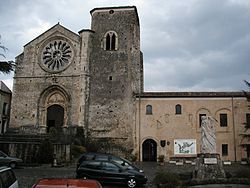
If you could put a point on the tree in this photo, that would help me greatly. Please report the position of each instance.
(5, 66)
(247, 94)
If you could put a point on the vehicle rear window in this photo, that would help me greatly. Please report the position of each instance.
(89, 157)
(91, 164)
(101, 157)
(7, 178)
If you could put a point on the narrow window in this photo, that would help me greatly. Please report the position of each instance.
(247, 120)
(224, 150)
(148, 109)
(223, 120)
(200, 115)
(108, 42)
(110, 78)
(178, 109)
(113, 40)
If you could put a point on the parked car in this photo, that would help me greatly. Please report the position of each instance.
(64, 182)
(110, 172)
(107, 157)
(7, 178)
(6, 160)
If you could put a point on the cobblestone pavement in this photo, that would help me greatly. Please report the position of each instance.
(27, 176)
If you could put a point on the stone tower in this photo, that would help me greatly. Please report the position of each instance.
(116, 74)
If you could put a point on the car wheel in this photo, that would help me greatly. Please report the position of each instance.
(12, 165)
(131, 183)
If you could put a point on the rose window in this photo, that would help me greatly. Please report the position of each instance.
(57, 55)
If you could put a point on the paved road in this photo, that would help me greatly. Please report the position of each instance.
(27, 176)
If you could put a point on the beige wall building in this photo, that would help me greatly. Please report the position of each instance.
(169, 124)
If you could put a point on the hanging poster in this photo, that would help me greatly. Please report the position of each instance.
(185, 146)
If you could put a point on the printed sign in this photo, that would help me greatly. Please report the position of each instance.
(210, 160)
(185, 146)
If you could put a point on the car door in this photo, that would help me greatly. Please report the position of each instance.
(113, 173)
(90, 169)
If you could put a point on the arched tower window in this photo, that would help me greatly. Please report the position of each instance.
(110, 41)
(178, 109)
(149, 109)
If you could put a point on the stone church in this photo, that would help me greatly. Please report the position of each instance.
(94, 79)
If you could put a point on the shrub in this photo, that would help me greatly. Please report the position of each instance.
(165, 179)
(244, 173)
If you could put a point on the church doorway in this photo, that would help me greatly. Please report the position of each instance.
(149, 150)
(55, 116)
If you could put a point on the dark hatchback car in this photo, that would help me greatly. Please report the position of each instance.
(107, 157)
(110, 172)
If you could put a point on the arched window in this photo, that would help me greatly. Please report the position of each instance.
(149, 109)
(110, 41)
(178, 109)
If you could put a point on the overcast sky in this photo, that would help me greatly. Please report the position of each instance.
(188, 45)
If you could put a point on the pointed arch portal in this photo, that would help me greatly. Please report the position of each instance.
(149, 150)
(55, 116)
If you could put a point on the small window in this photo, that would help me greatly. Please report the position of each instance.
(5, 108)
(149, 109)
(200, 115)
(223, 120)
(110, 41)
(178, 109)
(224, 150)
(248, 120)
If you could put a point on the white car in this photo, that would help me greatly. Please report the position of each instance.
(7, 178)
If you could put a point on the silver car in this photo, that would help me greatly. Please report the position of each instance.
(6, 160)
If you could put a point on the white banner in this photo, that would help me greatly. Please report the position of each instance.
(185, 146)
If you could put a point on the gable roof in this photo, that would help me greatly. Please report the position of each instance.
(53, 27)
(4, 88)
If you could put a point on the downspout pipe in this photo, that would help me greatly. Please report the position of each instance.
(234, 131)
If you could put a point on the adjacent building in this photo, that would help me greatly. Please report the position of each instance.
(5, 102)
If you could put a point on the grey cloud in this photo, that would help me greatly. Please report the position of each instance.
(187, 45)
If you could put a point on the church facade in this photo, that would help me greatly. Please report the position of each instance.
(94, 80)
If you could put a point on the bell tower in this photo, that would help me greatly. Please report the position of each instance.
(115, 75)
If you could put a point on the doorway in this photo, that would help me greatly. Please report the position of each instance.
(149, 150)
(55, 116)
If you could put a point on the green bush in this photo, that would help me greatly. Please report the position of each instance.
(165, 179)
